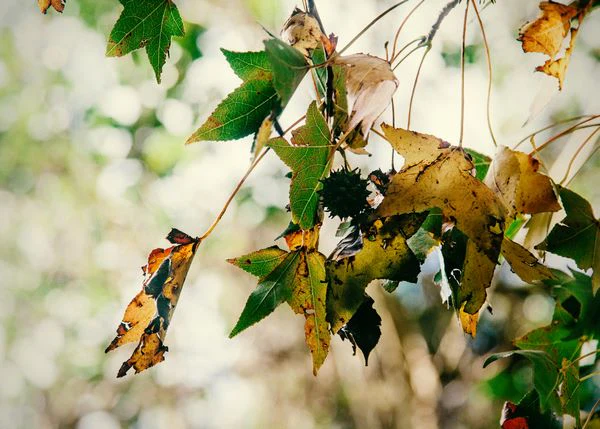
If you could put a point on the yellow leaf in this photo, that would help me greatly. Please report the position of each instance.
(436, 174)
(547, 33)
(148, 315)
(515, 179)
(558, 68)
(308, 298)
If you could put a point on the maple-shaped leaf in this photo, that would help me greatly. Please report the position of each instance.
(370, 84)
(309, 158)
(435, 174)
(296, 277)
(58, 5)
(577, 236)
(244, 110)
(554, 349)
(148, 315)
(385, 255)
(302, 31)
(146, 24)
(273, 288)
(363, 330)
(289, 68)
(515, 179)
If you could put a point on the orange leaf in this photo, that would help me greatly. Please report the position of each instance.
(547, 33)
(148, 315)
(58, 5)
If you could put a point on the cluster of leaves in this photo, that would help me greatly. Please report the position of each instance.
(444, 197)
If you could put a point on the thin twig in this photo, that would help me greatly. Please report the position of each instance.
(404, 21)
(414, 89)
(240, 184)
(577, 152)
(589, 417)
(565, 132)
(547, 127)
(416, 48)
(489, 66)
(369, 25)
(462, 76)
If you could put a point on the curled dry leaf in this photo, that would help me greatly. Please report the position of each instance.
(148, 315)
(58, 5)
(371, 84)
(547, 34)
(515, 179)
(302, 31)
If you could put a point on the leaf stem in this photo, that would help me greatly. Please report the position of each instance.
(241, 183)
(547, 127)
(370, 24)
(404, 21)
(589, 417)
(590, 375)
(490, 76)
(462, 76)
(414, 88)
(577, 152)
(583, 357)
(565, 132)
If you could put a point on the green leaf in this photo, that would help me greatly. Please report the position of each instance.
(149, 24)
(240, 114)
(249, 65)
(308, 157)
(272, 290)
(385, 255)
(289, 67)
(321, 74)
(577, 236)
(481, 163)
(545, 375)
(261, 262)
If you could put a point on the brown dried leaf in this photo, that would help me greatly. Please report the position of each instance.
(515, 179)
(148, 315)
(302, 31)
(58, 5)
(547, 33)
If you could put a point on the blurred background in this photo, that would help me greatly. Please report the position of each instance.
(94, 173)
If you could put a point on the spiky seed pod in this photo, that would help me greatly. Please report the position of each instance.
(345, 193)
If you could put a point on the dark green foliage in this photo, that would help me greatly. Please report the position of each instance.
(363, 330)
